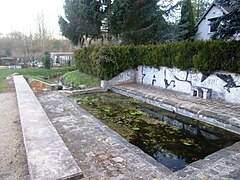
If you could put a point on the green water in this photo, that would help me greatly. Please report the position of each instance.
(146, 126)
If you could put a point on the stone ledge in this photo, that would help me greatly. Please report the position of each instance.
(84, 91)
(47, 155)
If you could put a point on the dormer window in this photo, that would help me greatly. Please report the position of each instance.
(213, 25)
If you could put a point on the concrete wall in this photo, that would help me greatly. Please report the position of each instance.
(220, 86)
(124, 77)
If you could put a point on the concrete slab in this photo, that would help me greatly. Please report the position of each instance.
(47, 155)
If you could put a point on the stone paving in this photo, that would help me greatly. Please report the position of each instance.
(103, 154)
(99, 151)
(220, 114)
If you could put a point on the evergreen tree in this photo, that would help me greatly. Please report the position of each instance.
(46, 59)
(199, 8)
(135, 21)
(83, 20)
(229, 24)
(186, 24)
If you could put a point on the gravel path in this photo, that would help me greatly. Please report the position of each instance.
(13, 163)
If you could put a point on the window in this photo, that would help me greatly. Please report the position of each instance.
(213, 25)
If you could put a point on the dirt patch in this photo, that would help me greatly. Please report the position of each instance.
(13, 163)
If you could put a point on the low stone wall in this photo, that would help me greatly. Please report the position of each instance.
(222, 86)
(40, 86)
(124, 77)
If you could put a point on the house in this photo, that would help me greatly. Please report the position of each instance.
(205, 26)
(8, 61)
(62, 58)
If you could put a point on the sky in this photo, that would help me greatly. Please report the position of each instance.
(21, 15)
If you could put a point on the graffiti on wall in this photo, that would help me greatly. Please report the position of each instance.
(230, 83)
(171, 76)
(167, 82)
(186, 81)
(143, 73)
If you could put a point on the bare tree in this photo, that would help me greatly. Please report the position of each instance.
(42, 30)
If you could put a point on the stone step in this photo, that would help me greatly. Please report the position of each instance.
(47, 155)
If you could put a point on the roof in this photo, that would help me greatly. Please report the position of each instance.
(61, 53)
(224, 9)
(7, 58)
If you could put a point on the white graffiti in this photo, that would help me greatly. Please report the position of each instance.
(221, 84)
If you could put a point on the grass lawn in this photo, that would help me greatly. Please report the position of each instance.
(38, 73)
(77, 78)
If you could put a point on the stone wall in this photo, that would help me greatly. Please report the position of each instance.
(219, 86)
(124, 77)
(38, 86)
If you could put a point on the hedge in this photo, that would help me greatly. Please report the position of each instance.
(105, 62)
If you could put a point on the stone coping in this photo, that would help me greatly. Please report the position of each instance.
(47, 155)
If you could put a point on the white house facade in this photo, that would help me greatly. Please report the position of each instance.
(205, 26)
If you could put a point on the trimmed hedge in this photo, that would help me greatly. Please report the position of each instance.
(106, 62)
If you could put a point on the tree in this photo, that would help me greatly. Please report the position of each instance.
(186, 24)
(24, 46)
(42, 30)
(135, 21)
(8, 52)
(83, 20)
(199, 8)
(229, 24)
(46, 59)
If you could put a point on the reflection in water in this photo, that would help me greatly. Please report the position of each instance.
(171, 139)
(171, 160)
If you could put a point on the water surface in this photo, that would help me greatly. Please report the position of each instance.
(171, 139)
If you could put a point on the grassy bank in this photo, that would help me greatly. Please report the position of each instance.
(38, 73)
(77, 78)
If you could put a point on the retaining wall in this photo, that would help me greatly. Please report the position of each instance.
(40, 86)
(222, 86)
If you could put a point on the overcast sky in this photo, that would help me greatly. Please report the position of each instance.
(21, 15)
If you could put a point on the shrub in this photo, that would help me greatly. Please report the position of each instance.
(205, 56)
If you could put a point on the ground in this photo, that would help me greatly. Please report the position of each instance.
(13, 163)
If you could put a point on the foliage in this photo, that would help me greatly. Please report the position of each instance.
(229, 24)
(77, 78)
(199, 8)
(46, 59)
(136, 22)
(32, 72)
(186, 24)
(83, 20)
(8, 52)
(108, 61)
